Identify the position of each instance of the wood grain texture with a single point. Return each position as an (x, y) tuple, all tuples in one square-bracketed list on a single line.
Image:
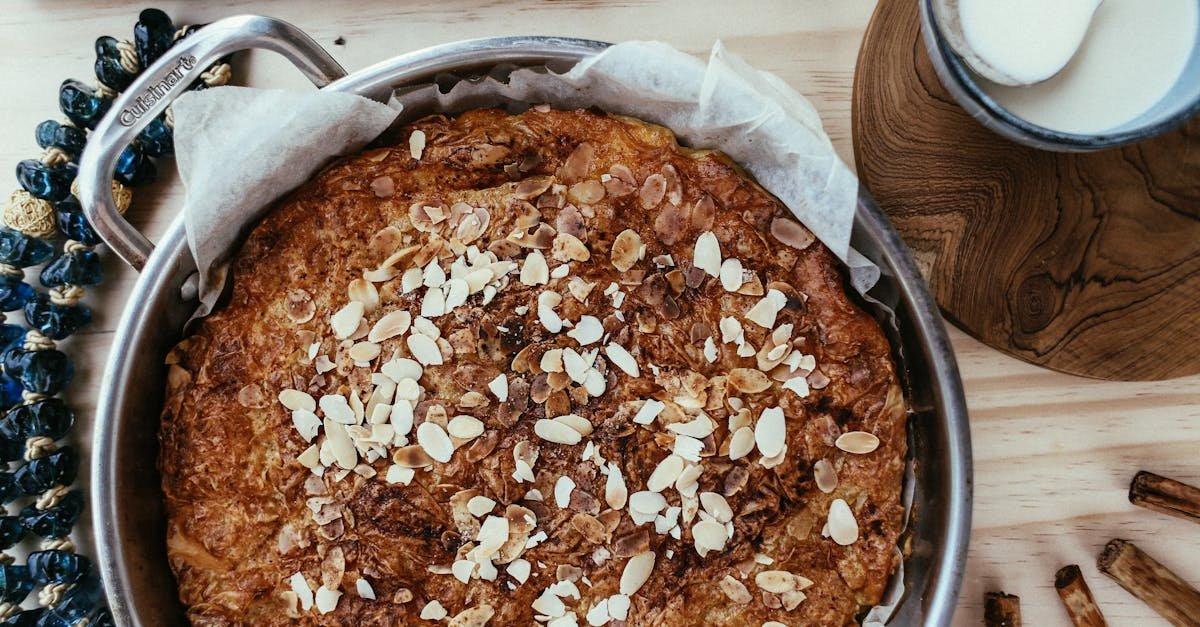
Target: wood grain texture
[(1085, 263), (1054, 453)]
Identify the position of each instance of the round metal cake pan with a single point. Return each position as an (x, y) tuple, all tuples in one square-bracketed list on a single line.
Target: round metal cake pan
[(127, 508)]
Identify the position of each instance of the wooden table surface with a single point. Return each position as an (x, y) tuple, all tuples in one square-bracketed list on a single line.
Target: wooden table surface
[(1053, 453)]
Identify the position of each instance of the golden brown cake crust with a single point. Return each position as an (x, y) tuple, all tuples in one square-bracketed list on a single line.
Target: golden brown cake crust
[(238, 499)]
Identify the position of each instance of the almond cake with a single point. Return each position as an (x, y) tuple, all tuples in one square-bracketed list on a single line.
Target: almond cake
[(538, 369)]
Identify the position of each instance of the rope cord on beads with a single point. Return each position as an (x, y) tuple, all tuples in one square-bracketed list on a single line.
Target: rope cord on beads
[(44, 226)]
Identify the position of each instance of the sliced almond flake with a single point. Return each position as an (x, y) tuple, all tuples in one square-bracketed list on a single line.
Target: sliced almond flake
[(576, 422), (770, 432), (307, 424), (535, 271), (622, 359), (689, 480), (587, 331), (336, 408), (478, 279), (763, 313), (791, 233), (618, 606), (557, 432), (457, 291), (636, 572), (615, 492), (399, 474), (562, 491), (709, 536), (857, 442), (575, 365), (561, 271), (598, 614), (710, 350), (426, 327), (648, 412), (741, 443), (549, 319), (552, 360), (310, 458), (424, 350), (392, 324), (493, 533), (731, 275), (364, 292), (699, 427), (363, 352), (295, 399), (303, 591), (771, 462), (463, 569), (339, 443), (843, 528), (626, 250), (799, 385), (433, 611), (416, 147), (717, 506), (345, 322), (735, 590), (646, 502), (580, 289), (407, 389), (567, 247), (480, 505), (775, 581), (745, 349), (433, 275), (465, 427), (688, 448), (435, 441), (594, 383), (665, 473), (364, 589), (499, 387), (434, 303), (707, 254), (379, 275), (748, 380), (519, 569), (411, 280), (825, 476)]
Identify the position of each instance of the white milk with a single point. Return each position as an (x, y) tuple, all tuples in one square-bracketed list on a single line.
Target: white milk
[(1132, 55)]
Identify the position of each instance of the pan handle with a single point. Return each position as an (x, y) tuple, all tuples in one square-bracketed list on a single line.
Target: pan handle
[(153, 92)]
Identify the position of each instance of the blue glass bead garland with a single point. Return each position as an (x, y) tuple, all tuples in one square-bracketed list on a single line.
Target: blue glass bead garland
[(32, 369)]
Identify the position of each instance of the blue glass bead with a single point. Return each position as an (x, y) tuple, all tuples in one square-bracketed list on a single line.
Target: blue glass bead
[(65, 137), (81, 267), (21, 250), (46, 371), (24, 618), (103, 618), (11, 451), (49, 182), (14, 293), (57, 566), (74, 224), (9, 490), (81, 104), (11, 335), (55, 321), (108, 65), (49, 417), (13, 360), (81, 601), (134, 167), (15, 582), (152, 35), (43, 473), (11, 532), (10, 391), (157, 139), (54, 522)]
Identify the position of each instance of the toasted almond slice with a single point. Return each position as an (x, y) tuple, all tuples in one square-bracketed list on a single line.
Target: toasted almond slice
[(636, 572), (340, 444), (735, 590), (463, 569), (791, 233), (402, 368), (433, 610), (770, 432), (465, 427), (549, 319), (626, 250), (665, 473), (364, 292), (580, 289), (303, 591), (843, 528), (700, 427), (648, 412), (689, 480), (731, 275), (363, 351), (326, 599), (741, 443), (390, 325), (434, 275), (535, 271), (479, 505), (707, 254), (567, 247), (764, 311), (335, 407), (615, 492), (434, 303), (477, 616), (307, 424), (578, 423), (622, 359), (295, 399), (646, 502), (345, 322), (411, 280), (731, 329), (557, 432), (825, 476), (588, 330), (562, 491), (416, 144), (435, 441), (499, 387), (857, 442), (519, 569), (798, 385), (425, 350), (709, 535), (775, 581), (748, 380), (456, 291), (552, 360), (710, 350), (717, 506)]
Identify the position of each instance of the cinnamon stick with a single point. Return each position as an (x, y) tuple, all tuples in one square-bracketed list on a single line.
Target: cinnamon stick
[(1158, 493), (1151, 582), (1081, 606), (1001, 610)]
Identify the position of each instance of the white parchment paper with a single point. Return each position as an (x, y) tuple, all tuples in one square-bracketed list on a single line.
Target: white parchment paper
[(240, 149)]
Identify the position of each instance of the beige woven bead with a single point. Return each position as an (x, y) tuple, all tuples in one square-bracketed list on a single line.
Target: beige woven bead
[(121, 194), (29, 215)]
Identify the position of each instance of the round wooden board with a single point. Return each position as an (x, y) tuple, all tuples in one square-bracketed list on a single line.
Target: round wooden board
[(1085, 263)]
